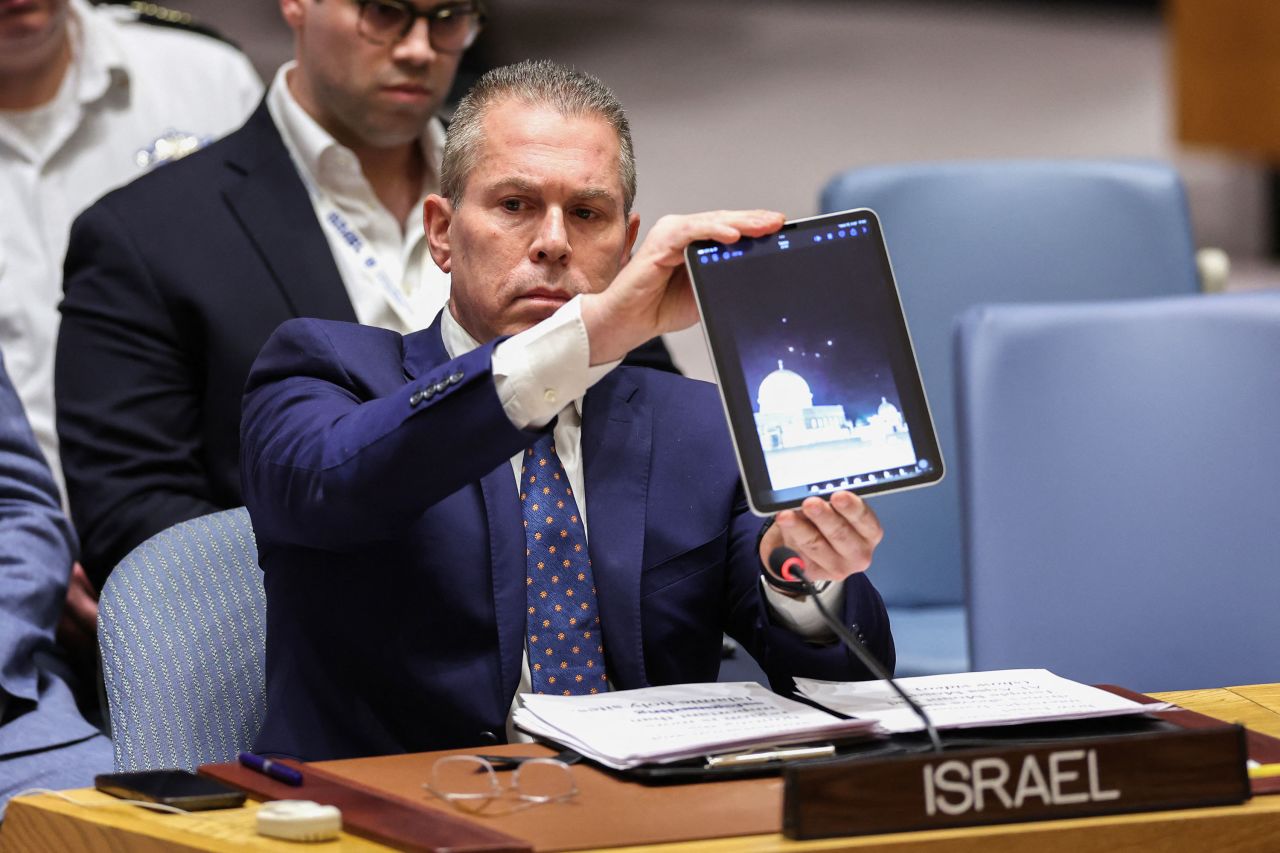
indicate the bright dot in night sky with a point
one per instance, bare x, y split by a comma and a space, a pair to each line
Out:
828, 343
791, 349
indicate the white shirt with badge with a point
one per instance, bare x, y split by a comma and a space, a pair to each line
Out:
385, 265
135, 96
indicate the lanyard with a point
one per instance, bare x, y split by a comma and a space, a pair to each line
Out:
363, 258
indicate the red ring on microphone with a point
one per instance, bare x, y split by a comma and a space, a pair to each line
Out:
787, 566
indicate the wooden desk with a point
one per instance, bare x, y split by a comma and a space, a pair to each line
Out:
1257, 706
42, 823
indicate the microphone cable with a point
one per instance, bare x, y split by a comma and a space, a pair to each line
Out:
786, 564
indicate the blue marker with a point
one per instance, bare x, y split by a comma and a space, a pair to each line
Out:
280, 772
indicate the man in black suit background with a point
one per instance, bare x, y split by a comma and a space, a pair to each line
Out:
173, 283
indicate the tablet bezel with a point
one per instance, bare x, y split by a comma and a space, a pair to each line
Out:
761, 497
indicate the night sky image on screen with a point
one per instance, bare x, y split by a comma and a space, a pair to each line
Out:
818, 371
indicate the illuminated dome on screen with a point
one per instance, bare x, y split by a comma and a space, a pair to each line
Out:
784, 391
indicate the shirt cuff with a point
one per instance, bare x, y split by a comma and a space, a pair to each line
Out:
800, 615
543, 369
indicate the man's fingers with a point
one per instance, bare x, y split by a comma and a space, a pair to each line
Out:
836, 537
802, 535
651, 293
851, 549
863, 519
81, 602
732, 224
671, 234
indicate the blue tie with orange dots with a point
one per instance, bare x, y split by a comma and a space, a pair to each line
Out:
566, 649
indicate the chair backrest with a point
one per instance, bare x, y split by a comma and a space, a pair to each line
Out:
960, 234
1122, 488
182, 631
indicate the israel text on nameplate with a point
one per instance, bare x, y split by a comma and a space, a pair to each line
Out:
1042, 781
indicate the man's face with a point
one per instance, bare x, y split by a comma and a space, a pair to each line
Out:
27, 26
541, 219
364, 94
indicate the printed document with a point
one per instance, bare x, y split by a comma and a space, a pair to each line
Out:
972, 699
658, 725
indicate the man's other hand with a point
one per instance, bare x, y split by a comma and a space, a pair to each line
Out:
652, 295
835, 537
78, 627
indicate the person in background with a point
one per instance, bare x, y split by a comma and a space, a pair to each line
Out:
421, 503
90, 97
44, 741
173, 283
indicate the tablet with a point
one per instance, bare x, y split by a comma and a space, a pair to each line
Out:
814, 362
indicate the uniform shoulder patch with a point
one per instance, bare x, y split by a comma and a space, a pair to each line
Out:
162, 16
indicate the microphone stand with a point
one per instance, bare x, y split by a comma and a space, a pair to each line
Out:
854, 644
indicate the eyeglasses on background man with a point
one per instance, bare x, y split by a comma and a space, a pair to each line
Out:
451, 27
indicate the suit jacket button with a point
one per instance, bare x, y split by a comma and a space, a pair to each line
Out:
488, 737
439, 387
455, 378
416, 398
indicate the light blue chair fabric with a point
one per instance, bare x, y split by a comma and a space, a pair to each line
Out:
1121, 469
182, 629
961, 234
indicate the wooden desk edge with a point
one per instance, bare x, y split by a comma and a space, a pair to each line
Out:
1252, 826
1257, 706
30, 822
1208, 825
44, 822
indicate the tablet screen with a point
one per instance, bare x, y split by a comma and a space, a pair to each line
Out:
814, 361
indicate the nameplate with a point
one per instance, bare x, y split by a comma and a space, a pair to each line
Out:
1011, 783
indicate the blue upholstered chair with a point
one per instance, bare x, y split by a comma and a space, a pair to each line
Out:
960, 234
1121, 488
182, 630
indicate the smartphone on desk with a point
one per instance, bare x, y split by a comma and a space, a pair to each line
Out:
178, 788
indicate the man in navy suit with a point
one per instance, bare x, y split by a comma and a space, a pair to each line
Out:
44, 742
422, 503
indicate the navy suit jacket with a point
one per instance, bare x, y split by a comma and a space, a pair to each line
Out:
390, 531
173, 284
36, 550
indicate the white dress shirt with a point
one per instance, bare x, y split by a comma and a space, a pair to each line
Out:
135, 95
544, 372
385, 265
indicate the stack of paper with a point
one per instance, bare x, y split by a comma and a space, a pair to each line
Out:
659, 725
972, 699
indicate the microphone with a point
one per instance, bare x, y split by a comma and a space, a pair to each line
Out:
786, 564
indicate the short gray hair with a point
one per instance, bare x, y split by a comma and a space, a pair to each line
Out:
537, 83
